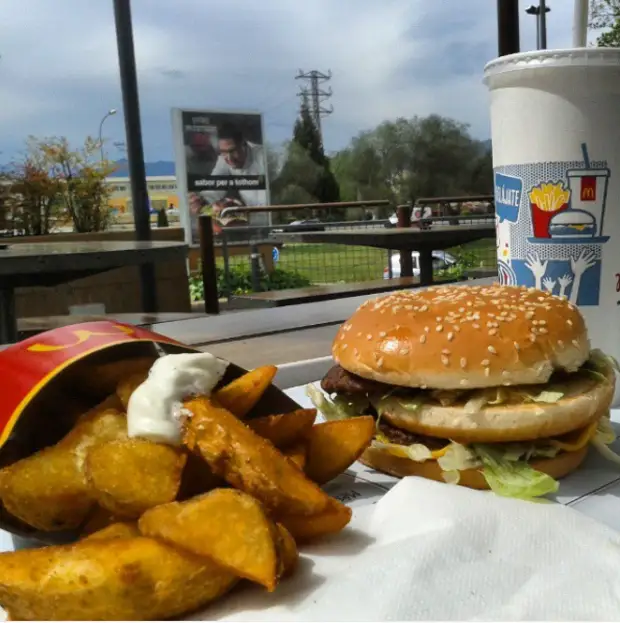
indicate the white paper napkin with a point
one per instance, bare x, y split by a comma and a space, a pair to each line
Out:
437, 552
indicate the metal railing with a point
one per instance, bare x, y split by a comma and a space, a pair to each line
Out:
255, 258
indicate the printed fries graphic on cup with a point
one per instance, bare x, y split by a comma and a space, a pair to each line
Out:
546, 200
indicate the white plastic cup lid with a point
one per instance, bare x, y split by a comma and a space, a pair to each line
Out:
543, 59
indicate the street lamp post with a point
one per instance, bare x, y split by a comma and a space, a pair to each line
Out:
110, 112
540, 12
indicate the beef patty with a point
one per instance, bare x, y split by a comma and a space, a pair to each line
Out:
339, 381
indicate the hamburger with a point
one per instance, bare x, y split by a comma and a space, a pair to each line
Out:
485, 386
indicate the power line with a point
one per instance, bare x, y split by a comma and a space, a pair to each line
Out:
316, 94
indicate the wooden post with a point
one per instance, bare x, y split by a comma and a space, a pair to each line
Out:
426, 266
404, 220
207, 257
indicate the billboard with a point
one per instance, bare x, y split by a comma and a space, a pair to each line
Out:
220, 163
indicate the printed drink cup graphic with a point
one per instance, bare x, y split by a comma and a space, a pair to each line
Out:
547, 201
588, 190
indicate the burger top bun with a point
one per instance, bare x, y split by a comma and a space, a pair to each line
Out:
460, 337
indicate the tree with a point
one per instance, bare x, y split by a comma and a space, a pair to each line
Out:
606, 14
32, 195
406, 159
81, 177
321, 186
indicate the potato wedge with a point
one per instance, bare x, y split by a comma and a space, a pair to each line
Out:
307, 528
297, 454
286, 429
129, 476
49, 490
118, 530
240, 395
288, 555
249, 462
103, 379
127, 386
197, 478
100, 580
225, 525
334, 446
99, 519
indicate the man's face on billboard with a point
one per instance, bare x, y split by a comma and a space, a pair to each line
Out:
233, 152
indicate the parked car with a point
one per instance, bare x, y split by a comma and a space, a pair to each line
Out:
441, 261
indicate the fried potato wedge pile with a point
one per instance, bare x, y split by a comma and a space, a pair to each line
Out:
166, 530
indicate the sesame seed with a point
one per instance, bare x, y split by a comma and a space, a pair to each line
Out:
404, 351
423, 338
439, 328
359, 334
463, 382
517, 347
457, 328
529, 315
463, 362
542, 330
542, 322
575, 343
423, 386
445, 360
469, 304
569, 323
485, 363
475, 325
532, 337
438, 318
369, 336
380, 362
356, 352
487, 372
450, 336
492, 331
445, 351
534, 322
382, 333
561, 343
492, 350
505, 373
344, 347
461, 309
426, 329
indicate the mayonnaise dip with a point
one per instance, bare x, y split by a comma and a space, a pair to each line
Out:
155, 408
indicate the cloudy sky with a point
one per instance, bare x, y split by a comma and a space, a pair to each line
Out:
389, 58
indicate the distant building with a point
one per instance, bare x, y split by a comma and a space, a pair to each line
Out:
161, 184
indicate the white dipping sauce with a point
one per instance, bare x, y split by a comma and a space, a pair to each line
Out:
155, 408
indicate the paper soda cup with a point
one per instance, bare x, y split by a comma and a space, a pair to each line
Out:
556, 164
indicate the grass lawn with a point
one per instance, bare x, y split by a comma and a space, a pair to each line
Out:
333, 263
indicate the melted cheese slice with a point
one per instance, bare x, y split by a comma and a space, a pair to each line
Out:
584, 437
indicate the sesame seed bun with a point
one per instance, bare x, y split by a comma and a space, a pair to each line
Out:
463, 337
557, 467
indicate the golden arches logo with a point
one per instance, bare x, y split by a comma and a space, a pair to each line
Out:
81, 336
588, 194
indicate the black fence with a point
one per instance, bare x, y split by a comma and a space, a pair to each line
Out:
263, 258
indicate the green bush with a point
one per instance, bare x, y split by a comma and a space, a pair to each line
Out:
240, 281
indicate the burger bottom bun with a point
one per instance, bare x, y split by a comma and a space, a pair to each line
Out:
557, 467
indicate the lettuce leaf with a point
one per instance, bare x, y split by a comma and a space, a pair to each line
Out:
340, 408
514, 479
